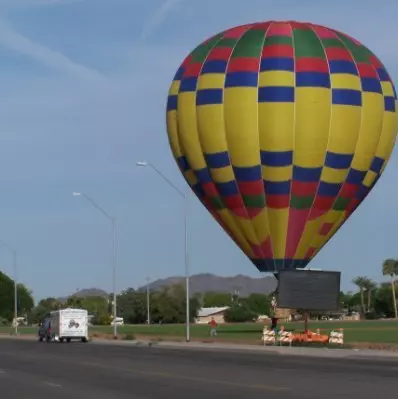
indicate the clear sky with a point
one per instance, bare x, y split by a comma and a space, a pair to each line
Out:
83, 92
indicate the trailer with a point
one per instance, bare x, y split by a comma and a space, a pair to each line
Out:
69, 324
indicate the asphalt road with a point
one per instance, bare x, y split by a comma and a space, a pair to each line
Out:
32, 370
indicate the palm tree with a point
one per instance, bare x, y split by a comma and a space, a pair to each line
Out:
390, 268
369, 286
361, 283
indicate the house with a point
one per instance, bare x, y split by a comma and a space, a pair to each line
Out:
206, 314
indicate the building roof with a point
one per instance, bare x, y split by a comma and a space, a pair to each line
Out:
204, 312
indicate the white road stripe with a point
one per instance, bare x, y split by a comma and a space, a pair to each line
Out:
52, 384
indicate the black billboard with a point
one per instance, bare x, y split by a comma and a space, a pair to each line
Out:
309, 290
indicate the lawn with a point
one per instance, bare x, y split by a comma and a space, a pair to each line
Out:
381, 331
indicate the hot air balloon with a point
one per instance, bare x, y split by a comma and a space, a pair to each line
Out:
281, 129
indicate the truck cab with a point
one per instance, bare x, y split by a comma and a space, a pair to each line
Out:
44, 332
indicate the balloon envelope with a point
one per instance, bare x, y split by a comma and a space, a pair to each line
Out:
281, 129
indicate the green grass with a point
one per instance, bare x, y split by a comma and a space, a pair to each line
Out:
385, 331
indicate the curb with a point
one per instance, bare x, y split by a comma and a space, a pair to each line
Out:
364, 354
257, 349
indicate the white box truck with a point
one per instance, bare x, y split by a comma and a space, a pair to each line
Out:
68, 324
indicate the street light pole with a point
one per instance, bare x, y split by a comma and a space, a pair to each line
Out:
148, 308
115, 257
184, 196
186, 261
14, 266
114, 268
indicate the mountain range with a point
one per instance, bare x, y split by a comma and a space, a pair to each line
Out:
200, 283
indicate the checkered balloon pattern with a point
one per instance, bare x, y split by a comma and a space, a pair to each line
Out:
281, 129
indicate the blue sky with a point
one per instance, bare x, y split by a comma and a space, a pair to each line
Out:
83, 91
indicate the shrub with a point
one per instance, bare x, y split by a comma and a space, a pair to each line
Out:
239, 314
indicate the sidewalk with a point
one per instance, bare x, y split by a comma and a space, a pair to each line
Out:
280, 350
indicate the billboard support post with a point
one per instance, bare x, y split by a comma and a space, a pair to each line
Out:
305, 314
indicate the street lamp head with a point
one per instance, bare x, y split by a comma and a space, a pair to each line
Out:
76, 194
142, 163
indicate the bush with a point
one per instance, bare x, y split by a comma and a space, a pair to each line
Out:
374, 315
103, 320
239, 314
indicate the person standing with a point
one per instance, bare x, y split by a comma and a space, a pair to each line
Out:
213, 327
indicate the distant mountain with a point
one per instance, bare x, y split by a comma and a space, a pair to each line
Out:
200, 283
86, 292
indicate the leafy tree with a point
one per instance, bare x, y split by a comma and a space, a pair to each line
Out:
167, 305
43, 308
75, 302
345, 299
216, 299
390, 268
194, 306
353, 301
380, 303
239, 314
37, 314
6, 297
25, 300
96, 305
383, 303
259, 304
131, 306
50, 304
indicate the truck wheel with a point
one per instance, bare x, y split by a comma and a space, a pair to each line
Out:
61, 340
40, 339
84, 339
67, 340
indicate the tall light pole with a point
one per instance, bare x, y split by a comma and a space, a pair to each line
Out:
14, 265
113, 221
148, 307
186, 259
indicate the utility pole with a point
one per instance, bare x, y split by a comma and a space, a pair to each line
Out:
148, 307
115, 257
185, 197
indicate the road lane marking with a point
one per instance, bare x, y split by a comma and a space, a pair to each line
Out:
52, 384
261, 387
170, 375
